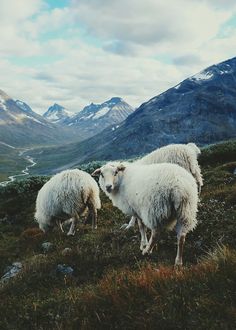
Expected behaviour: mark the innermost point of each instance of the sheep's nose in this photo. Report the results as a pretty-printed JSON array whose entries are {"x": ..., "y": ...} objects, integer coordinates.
[{"x": 108, "y": 187}]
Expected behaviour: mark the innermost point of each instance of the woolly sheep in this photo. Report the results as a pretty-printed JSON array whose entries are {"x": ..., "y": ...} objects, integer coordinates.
[
  {"x": 162, "y": 195},
  {"x": 184, "y": 155},
  {"x": 68, "y": 193}
]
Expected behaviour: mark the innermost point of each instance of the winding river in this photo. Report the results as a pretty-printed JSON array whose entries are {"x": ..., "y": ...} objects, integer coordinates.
[{"x": 24, "y": 172}]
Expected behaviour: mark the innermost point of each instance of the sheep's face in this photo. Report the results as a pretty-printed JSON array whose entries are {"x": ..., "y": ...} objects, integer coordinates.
[{"x": 109, "y": 177}]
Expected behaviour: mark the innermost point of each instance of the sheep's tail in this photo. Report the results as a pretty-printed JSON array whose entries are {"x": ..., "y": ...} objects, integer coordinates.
[
  {"x": 95, "y": 199},
  {"x": 194, "y": 167},
  {"x": 186, "y": 210}
]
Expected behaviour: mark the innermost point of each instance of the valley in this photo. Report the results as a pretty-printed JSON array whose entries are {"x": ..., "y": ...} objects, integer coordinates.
[{"x": 24, "y": 172}]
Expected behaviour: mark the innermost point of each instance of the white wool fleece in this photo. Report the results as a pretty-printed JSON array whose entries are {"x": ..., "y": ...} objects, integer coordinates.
[
  {"x": 158, "y": 194},
  {"x": 184, "y": 155},
  {"x": 66, "y": 192}
]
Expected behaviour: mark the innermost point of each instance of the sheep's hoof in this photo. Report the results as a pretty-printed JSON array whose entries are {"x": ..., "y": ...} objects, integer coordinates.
[
  {"x": 71, "y": 233},
  {"x": 143, "y": 246},
  {"x": 178, "y": 264},
  {"x": 147, "y": 251}
]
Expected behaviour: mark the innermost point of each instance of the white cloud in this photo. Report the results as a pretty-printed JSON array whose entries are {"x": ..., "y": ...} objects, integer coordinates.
[
  {"x": 133, "y": 40},
  {"x": 181, "y": 22}
]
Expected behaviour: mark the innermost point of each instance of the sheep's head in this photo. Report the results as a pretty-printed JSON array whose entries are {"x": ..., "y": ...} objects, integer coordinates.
[{"x": 109, "y": 176}]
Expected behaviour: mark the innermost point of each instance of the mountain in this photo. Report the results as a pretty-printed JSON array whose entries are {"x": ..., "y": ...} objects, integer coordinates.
[
  {"x": 93, "y": 118},
  {"x": 21, "y": 126},
  {"x": 25, "y": 107},
  {"x": 200, "y": 109},
  {"x": 96, "y": 117},
  {"x": 57, "y": 114}
]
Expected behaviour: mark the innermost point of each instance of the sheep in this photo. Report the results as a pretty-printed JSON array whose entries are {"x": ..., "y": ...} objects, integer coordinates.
[
  {"x": 68, "y": 193},
  {"x": 160, "y": 196},
  {"x": 184, "y": 155}
]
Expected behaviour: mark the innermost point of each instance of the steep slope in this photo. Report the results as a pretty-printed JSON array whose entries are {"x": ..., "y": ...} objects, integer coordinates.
[
  {"x": 57, "y": 114},
  {"x": 201, "y": 109},
  {"x": 21, "y": 126}
]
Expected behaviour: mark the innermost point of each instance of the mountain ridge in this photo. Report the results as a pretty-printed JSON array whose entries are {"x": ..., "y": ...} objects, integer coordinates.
[
  {"x": 201, "y": 109},
  {"x": 93, "y": 118},
  {"x": 21, "y": 126}
]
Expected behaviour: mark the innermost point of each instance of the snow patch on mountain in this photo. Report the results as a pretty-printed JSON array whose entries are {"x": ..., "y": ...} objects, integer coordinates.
[
  {"x": 101, "y": 113},
  {"x": 57, "y": 114},
  {"x": 2, "y": 103},
  {"x": 203, "y": 75}
]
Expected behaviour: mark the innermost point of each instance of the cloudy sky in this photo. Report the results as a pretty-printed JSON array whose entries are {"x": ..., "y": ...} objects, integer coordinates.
[{"x": 81, "y": 51}]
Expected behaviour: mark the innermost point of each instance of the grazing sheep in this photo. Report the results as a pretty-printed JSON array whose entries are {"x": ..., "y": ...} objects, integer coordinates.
[
  {"x": 68, "y": 193},
  {"x": 159, "y": 195},
  {"x": 184, "y": 155}
]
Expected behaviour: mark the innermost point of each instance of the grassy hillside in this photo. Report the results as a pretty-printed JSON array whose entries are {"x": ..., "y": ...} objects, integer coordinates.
[
  {"x": 112, "y": 285},
  {"x": 10, "y": 162},
  {"x": 54, "y": 159}
]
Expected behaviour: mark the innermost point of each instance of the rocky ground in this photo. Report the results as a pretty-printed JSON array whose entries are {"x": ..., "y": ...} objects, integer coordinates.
[{"x": 99, "y": 279}]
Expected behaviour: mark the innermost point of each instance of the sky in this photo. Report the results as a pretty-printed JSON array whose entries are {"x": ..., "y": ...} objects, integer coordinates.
[{"x": 74, "y": 52}]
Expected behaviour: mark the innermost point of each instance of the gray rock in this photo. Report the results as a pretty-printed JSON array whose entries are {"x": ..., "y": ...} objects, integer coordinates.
[
  {"x": 47, "y": 247},
  {"x": 11, "y": 271},
  {"x": 66, "y": 270}
]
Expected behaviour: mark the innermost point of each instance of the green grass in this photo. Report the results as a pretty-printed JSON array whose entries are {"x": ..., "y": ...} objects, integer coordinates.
[{"x": 113, "y": 285}]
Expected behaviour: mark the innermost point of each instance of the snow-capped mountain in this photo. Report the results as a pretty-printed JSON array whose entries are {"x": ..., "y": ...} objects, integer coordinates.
[
  {"x": 200, "y": 109},
  {"x": 25, "y": 107},
  {"x": 57, "y": 114},
  {"x": 21, "y": 126},
  {"x": 96, "y": 117}
]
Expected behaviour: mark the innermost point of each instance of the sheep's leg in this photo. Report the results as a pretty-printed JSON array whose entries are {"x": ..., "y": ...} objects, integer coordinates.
[
  {"x": 142, "y": 229},
  {"x": 129, "y": 225},
  {"x": 59, "y": 223},
  {"x": 151, "y": 243},
  {"x": 71, "y": 231},
  {"x": 93, "y": 213},
  {"x": 179, "y": 256}
]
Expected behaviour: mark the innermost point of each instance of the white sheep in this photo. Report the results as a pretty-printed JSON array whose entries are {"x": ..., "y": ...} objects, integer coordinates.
[
  {"x": 68, "y": 193},
  {"x": 184, "y": 155},
  {"x": 159, "y": 195}
]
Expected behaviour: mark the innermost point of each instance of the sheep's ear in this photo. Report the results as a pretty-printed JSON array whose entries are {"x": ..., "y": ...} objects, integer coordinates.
[
  {"x": 121, "y": 167},
  {"x": 97, "y": 172}
]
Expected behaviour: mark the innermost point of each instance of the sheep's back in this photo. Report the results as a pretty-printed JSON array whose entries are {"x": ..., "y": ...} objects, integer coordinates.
[
  {"x": 153, "y": 191},
  {"x": 66, "y": 192},
  {"x": 179, "y": 154}
]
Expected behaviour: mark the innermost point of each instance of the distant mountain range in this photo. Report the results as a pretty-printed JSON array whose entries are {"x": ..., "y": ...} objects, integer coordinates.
[
  {"x": 200, "y": 109},
  {"x": 21, "y": 126},
  {"x": 93, "y": 118}
]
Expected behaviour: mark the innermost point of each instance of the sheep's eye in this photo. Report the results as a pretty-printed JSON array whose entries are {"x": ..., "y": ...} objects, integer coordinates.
[{"x": 116, "y": 172}]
